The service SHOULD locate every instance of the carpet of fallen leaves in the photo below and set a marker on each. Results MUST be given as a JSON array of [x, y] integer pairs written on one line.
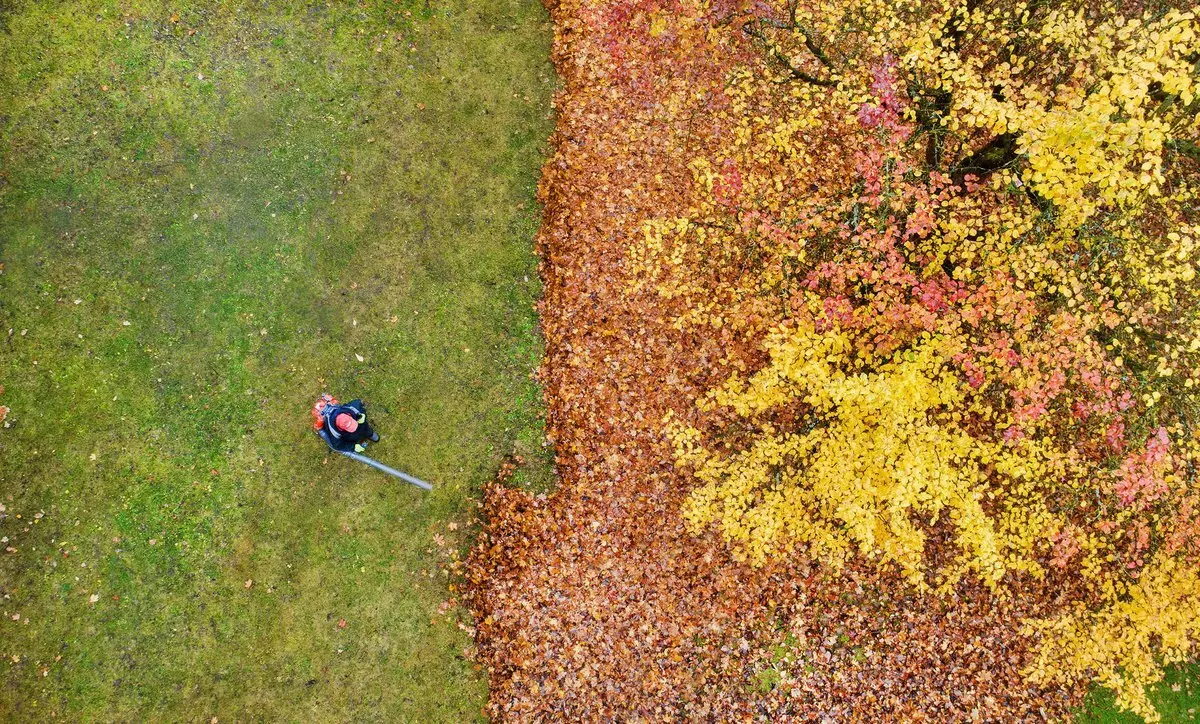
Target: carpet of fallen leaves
[[594, 602]]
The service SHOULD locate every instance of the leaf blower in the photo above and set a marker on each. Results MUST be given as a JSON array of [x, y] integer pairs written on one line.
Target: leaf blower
[[344, 427]]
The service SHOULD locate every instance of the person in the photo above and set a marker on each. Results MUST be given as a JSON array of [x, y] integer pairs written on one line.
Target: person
[[343, 427]]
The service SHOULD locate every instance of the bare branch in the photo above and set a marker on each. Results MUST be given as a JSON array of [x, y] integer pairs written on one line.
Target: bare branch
[[998, 153], [749, 27], [1184, 147]]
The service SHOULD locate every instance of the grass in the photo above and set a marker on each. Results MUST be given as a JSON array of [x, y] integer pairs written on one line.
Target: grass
[[1176, 697], [209, 211]]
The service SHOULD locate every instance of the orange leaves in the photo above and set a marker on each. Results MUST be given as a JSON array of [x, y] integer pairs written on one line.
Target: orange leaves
[[702, 193]]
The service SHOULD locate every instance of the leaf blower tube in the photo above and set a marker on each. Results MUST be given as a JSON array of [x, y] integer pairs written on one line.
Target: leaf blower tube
[[390, 471], [346, 430]]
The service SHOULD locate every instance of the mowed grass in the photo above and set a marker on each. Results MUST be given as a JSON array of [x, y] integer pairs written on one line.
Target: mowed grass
[[1177, 698], [211, 212]]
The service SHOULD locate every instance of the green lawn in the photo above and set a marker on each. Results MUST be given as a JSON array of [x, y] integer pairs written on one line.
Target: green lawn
[[210, 212], [1177, 698]]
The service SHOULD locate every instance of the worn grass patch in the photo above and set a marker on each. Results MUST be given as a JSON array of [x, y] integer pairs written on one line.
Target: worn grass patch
[[208, 212]]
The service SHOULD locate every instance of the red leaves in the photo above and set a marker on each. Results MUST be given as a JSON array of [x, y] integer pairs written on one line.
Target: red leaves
[[728, 187]]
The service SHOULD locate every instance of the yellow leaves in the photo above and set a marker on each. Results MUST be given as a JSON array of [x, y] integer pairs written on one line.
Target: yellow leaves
[[870, 463], [1097, 139], [1162, 270], [1125, 645], [658, 24]]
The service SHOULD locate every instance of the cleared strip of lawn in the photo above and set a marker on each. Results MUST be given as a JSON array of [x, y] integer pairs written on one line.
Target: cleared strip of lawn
[[208, 212]]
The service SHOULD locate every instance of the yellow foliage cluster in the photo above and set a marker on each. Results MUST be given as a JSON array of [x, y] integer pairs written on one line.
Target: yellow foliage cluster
[[886, 457], [1164, 272], [1155, 622], [1097, 137]]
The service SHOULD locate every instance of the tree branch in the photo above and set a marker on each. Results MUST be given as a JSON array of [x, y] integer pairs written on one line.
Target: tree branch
[[998, 153], [794, 25], [749, 28], [1184, 147], [953, 31]]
